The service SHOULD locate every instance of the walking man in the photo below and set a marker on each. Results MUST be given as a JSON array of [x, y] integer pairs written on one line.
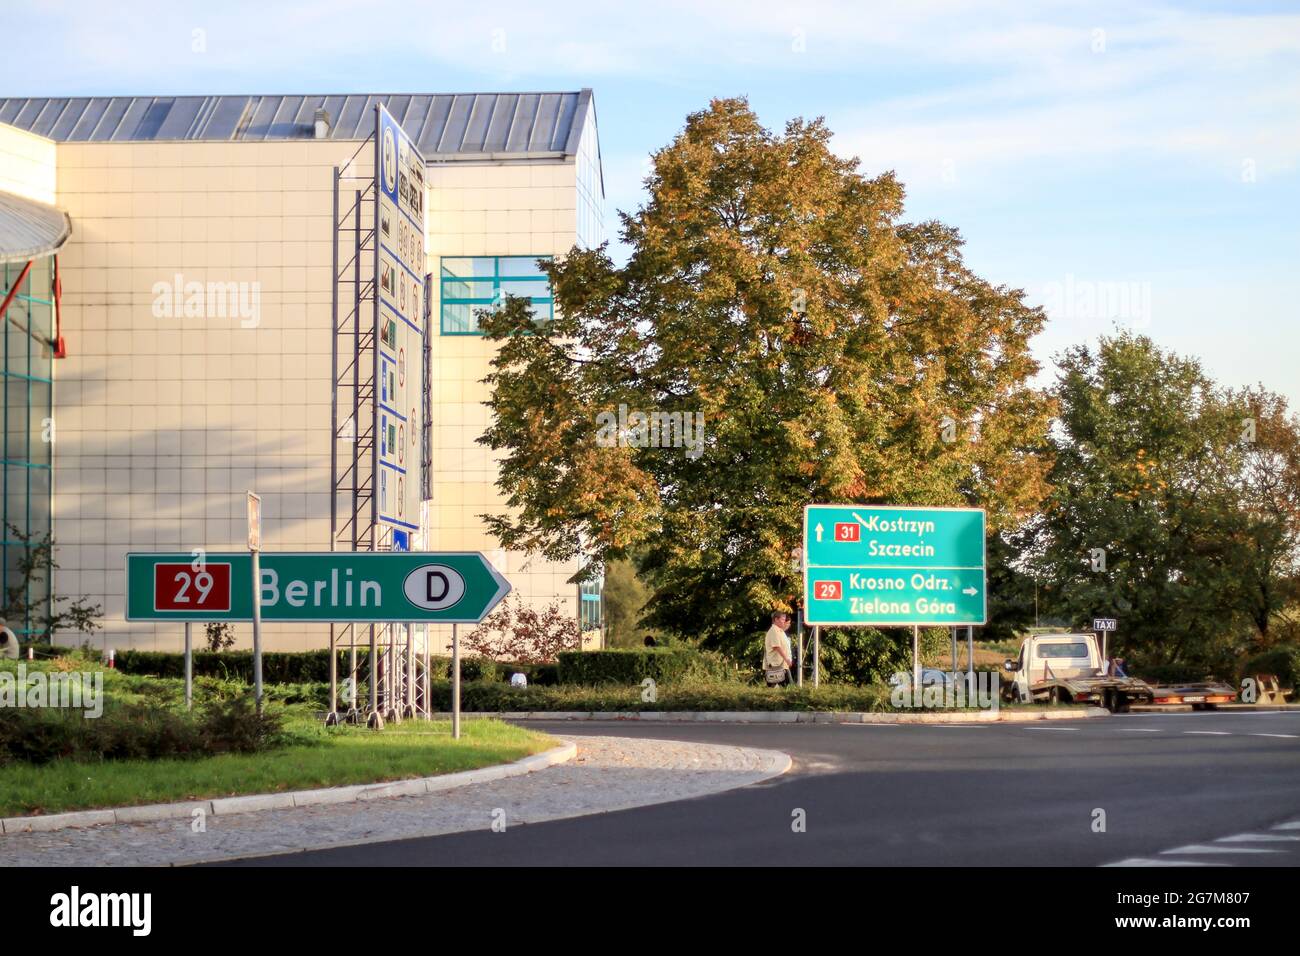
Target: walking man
[[777, 661]]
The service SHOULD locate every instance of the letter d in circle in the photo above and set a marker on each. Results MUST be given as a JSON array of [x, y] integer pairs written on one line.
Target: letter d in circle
[[434, 587]]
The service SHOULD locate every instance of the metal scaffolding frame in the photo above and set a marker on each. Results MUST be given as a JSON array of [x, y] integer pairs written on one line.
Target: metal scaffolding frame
[[398, 678]]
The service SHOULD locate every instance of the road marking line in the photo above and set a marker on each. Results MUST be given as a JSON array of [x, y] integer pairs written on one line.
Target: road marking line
[[1071, 729], [1198, 848], [1140, 730], [1293, 825], [1288, 736], [1209, 733], [1147, 861], [1258, 838]]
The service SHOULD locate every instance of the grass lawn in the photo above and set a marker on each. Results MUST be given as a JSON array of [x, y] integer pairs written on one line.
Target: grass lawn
[[315, 756]]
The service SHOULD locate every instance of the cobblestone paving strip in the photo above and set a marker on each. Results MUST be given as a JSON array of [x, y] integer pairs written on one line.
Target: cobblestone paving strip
[[609, 773]]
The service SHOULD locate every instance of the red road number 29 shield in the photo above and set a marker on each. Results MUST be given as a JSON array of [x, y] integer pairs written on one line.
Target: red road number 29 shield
[[180, 587]]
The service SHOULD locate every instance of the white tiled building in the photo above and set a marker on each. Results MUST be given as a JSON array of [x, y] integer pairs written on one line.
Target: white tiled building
[[163, 420]]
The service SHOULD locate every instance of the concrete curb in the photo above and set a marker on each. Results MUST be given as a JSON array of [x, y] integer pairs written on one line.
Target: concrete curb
[[798, 716], [222, 806]]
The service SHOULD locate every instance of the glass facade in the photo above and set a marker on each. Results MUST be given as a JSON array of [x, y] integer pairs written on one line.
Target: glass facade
[[28, 435], [473, 283], [591, 189]]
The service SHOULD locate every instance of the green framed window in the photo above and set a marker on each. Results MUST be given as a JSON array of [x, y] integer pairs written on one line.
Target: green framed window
[[28, 435], [590, 611], [470, 284]]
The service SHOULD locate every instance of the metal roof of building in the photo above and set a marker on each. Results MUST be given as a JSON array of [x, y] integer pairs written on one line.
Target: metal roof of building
[[446, 126], [29, 228]]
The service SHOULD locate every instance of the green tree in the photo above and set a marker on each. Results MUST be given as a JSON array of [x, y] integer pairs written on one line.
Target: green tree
[[625, 598], [833, 352], [1148, 512], [1263, 529]]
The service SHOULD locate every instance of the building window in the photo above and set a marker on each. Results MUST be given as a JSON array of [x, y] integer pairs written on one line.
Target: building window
[[471, 284], [589, 614], [27, 448]]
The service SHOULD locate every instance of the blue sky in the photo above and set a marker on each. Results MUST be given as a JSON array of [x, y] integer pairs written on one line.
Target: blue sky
[[1126, 164]]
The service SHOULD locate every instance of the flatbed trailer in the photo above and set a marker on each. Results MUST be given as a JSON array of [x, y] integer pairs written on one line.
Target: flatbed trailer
[[1068, 669], [1201, 695]]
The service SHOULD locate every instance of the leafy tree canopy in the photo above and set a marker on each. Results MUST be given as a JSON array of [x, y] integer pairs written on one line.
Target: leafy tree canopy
[[834, 352]]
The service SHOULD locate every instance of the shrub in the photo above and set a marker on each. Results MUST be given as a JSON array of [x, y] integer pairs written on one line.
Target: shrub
[[517, 632], [665, 665], [278, 667], [235, 726], [691, 695], [1282, 661], [137, 731]]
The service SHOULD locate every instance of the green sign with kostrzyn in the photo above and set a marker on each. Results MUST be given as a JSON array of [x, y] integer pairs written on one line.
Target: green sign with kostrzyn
[[893, 565]]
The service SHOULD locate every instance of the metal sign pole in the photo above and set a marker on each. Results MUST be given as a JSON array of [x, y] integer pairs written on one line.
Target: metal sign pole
[[455, 683], [255, 553], [916, 658], [189, 667], [257, 632], [373, 719], [352, 672], [799, 639], [817, 656], [410, 672], [970, 650], [428, 683], [332, 717]]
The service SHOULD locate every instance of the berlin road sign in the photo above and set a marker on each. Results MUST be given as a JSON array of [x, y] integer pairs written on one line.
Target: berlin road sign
[[336, 586], [887, 565]]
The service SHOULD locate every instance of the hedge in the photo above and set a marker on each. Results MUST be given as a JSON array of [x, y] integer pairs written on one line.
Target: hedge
[[665, 665], [498, 697], [309, 667]]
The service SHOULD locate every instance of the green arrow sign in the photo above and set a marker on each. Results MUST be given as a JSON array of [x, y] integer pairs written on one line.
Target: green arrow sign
[[887, 565], [391, 587]]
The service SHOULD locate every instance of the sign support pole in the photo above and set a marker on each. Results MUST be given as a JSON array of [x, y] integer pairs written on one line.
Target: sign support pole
[[799, 639], [916, 658], [970, 650], [332, 717], [428, 685], [455, 683], [374, 721], [255, 553], [257, 630], [409, 680], [817, 656], [189, 666]]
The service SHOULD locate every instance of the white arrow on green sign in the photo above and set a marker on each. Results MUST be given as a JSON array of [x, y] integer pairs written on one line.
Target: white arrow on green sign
[[892, 565], [389, 587]]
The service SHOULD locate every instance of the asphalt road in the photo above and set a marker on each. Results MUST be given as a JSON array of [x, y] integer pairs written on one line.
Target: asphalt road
[[1176, 789]]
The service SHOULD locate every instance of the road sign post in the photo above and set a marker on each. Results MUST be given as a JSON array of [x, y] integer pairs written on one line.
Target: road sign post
[[189, 666], [455, 683], [1104, 627], [254, 551]]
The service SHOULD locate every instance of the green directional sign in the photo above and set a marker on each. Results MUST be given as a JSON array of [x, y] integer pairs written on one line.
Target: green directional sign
[[887, 565], [389, 587]]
